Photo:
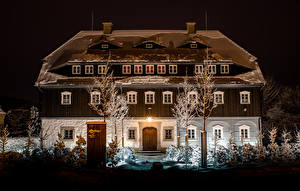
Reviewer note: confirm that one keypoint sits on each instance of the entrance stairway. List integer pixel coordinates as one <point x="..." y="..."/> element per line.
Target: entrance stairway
<point x="150" y="156"/>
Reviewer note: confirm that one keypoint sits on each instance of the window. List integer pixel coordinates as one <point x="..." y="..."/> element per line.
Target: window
<point x="219" y="97"/>
<point x="172" y="69"/>
<point x="198" y="69"/>
<point x="167" y="97"/>
<point x="168" y="133"/>
<point x="126" y="69"/>
<point x="244" y="132"/>
<point x="191" y="133"/>
<point x="101" y="69"/>
<point x="104" y="46"/>
<point x="193" y="95"/>
<point x="95" y="97"/>
<point x="148" y="45"/>
<point x="193" y="45"/>
<point x="138" y="69"/>
<point x="218" y="132"/>
<point x="131" y="134"/>
<point x="76" y="69"/>
<point x="211" y="69"/>
<point x="161" y="69"/>
<point x="67" y="133"/>
<point x="245" y="97"/>
<point x="132" y="97"/>
<point x="149" y="69"/>
<point x="89" y="69"/>
<point x="149" y="97"/>
<point x="66" y="98"/>
<point x="225" y="69"/>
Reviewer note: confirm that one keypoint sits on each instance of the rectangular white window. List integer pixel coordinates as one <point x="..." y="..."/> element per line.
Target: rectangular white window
<point x="138" y="69"/>
<point x="161" y="69"/>
<point x="149" y="69"/>
<point x="244" y="132"/>
<point x="104" y="46"/>
<point x="193" y="96"/>
<point x="66" y="98"/>
<point x="245" y="97"/>
<point x="148" y="45"/>
<point x="218" y="131"/>
<point x="172" y="69"/>
<point x="224" y="69"/>
<point x="95" y="97"/>
<point x="149" y="97"/>
<point x="219" y="97"/>
<point x="126" y="69"/>
<point x="76" y="69"/>
<point x="193" y="45"/>
<point x="167" y="97"/>
<point x="191" y="134"/>
<point x="168" y="133"/>
<point x="101" y="69"/>
<point x="212" y="69"/>
<point x="198" y="69"/>
<point x="132" y="97"/>
<point x="89" y="69"/>
<point x="131" y="134"/>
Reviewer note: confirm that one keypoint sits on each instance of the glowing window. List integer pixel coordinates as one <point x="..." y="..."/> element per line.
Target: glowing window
<point x="161" y="69"/>
<point x="138" y="69"/>
<point x="172" y="69"/>
<point x="126" y="69"/>
<point x="149" y="69"/>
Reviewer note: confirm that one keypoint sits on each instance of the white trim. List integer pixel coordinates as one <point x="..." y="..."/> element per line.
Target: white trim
<point x="67" y="128"/>
<point x="104" y="46"/>
<point x="174" y="67"/>
<point x="77" y="68"/>
<point x="219" y="128"/>
<point x="101" y="69"/>
<point x="138" y="66"/>
<point x="167" y="93"/>
<point x="193" y="45"/>
<point x="163" y="66"/>
<point x="95" y="93"/>
<point x="244" y="127"/>
<point x="192" y="128"/>
<point x="149" y="93"/>
<point x="149" y="72"/>
<point x="243" y="100"/>
<point x="66" y="101"/>
<point x="212" y="67"/>
<point x="89" y="69"/>
<point x="149" y="45"/>
<point x="128" y="69"/>
<point x="224" y="66"/>
<point x="134" y="98"/>
<point x="198" y="68"/>
<point x="222" y="97"/>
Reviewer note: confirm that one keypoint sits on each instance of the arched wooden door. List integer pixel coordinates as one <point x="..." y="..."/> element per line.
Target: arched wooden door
<point x="149" y="139"/>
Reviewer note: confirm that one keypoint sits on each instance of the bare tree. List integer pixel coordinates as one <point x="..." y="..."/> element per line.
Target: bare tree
<point x="205" y="104"/>
<point x="31" y="128"/>
<point x="3" y="138"/>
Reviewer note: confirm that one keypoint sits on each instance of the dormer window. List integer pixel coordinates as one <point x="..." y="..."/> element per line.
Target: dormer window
<point x="138" y="69"/>
<point x="76" y="69"/>
<point x="224" y="69"/>
<point x="149" y="69"/>
<point x="126" y="69"/>
<point x="161" y="69"/>
<point x="104" y="46"/>
<point x="101" y="69"/>
<point x="172" y="69"/>
<point x="89" y="69"/>
<point x="212" y="69"/>
<point x="149" y="45"/>
<point x="193" y="45"/>
<point x="198" y="69"/>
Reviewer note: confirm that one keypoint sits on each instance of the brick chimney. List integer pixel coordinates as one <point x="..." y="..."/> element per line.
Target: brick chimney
<point x="107" y="27"/>
<point x="190" y="27"/>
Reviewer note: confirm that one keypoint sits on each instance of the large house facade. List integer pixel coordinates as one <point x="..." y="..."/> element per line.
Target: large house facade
<point x="149" y="67"/>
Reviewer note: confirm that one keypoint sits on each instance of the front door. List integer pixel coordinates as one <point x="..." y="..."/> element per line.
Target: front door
<point x="149" y="139"/>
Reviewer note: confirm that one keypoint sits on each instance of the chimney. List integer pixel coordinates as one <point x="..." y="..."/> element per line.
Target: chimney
<point x="190" y="27"/>
<point x="107" y="27"/>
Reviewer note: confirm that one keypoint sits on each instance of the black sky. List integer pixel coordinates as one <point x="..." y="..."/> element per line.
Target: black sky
<point x="33" y="29"/>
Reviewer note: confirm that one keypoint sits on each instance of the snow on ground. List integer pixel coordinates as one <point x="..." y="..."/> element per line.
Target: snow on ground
<point x="17" y="144"/>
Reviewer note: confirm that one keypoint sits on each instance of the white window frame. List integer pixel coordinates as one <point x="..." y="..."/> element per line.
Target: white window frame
<point x="191" y="129"/>
<point x="212" y="69"/>
<point x="165" y="133"/>
<point x="161" y="66"/>
<point x="198" y="68"/>
<point x="242" y="100"/>
<point x="95" y="93"/>
<point x="89" y="69"/>
<point x="128" y="69"/>
<point x="69" y="100"/>
<point x="219" y="129"/>
<point x="104" y="46"/>
<point x="138" y="71"/>
<point x="64" y="129"/>
<point x="101" y="69"/>
<point x="223" y="69"/>
<point x="171" y="97"/>
<point x="149" y="45"/>
<point x="149" y="72"/>
<point x="242" y="129"/>
<point x="217" y="93"/>
<point x="174" y="67"/>
<point x="76" y="69"/>
<point x="133" y="98"/>
<point x="193" y="45"/>
<point x="149" y="93"/>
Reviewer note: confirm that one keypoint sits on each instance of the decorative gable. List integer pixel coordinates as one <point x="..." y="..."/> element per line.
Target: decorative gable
<point x="103" y="46"/>
<point x="149" y="45"/>
<point x="193" y="45"/>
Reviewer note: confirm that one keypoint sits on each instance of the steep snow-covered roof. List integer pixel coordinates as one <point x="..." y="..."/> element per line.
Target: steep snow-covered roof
<point x="75" y="49"/>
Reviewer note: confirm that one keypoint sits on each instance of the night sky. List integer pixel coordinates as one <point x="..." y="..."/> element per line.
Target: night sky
<point x="33" y="29"/>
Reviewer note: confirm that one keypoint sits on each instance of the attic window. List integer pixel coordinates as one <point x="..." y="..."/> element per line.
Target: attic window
<point x="104" y="46"/>
<point x="224" y="69"/>
<point x="193" y="45"/>
<point x="148" y="45"/>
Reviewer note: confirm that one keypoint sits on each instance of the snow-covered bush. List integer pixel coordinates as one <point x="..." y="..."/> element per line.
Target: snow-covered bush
<point x="191" y="156"/>
<point x="248" y="153"/>
<point x="111" y="153"/>
<point x="287" y="150"/>
<point x="126" y="154"/>
<point x="297" y="145"/>
<point x="273" y="147"/>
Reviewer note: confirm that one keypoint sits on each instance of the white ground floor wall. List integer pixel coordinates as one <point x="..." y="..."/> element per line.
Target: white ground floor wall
<point x="226" y="126"/>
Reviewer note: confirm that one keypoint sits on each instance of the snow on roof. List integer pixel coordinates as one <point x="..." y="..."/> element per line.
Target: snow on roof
<point x="75" y="49"/>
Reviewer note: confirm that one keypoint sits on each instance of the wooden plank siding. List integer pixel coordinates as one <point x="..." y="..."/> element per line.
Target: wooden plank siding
<point x="51" y="103"/>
